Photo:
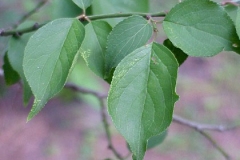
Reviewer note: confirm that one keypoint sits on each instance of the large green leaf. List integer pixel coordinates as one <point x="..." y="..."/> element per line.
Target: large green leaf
<point x="125" y="37"/>
<point x="94" y="46"/>
<point x="119" y="6"/>
<point x="142" y="95"/>
<point x="200" y="28"/>
<point x="49" y="57"/>
<point x="16" y="48"/>
<point x="10" y="75"/>
<point x="84" y="4"/>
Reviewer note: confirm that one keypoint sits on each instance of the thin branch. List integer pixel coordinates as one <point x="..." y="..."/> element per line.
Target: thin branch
<point x="85" y="91"/>
<point x="121" y="15"/>
<point x="18" y="32"/>
<point x="30" y="13"/>
<point x="215" y="144"/>
<point x="101" y="97"/>
<point x="199" y="126"/>
<point x="107" y="130"/>
<point x="201" y="129"/>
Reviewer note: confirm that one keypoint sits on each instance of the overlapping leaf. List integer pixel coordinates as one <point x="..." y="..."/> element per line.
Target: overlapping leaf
<point x="84" y="4"/>
<point x="156" y="140"/>
<point x="65" y="9"/>
<point x="94" y="46"/>
<point x="238" y="22"/>
<point x="200" y="28"/>
<point x="231" y="11"/>
<point x="179" y="54"/>
<point x="48" y="58"/>
<point x="16" y="48"/>
<point x="125" y="37"/>
<point x="142" y="95"/>
<point x="10" y="75"/>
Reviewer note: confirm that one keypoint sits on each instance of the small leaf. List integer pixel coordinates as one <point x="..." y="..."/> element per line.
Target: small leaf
<point x="94" y="46"/>
<point x="16" y="48"/>
<point x="200" y="28"/>
<point x="125" y="37"/>
<point x="49" y="57"/>
<point x="231" y="11"/>
<point x="65" y="9"/>
<point x="84" y="4"/>
<point x="178" y="53"/>
<point x="142" y="95"/>
<point x="10" y="75"/>
<point x="156" y="140"/>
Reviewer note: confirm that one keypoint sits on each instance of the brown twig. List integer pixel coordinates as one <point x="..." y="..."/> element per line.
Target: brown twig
<point x="18" y="32"/>
<point x="101" y="97"/>
<point x="201" y="128"/>
<point x="215" y="144"/>
<point x="4" y="32"/>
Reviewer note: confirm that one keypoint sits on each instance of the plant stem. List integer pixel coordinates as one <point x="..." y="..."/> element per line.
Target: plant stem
<point x="107" y="130"/>
<point x="121" y="15"/>
<point x="201" y="129"/>
<point x="101" y="97"/>
<point x="214" y="143"/>
<point x="19" y="32"/>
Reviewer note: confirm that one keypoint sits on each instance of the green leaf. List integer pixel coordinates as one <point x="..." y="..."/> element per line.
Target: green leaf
<point x="238" y="22"/>
<point x="94" y="46"/>
<point x="178" y="53"/>
<point x="84" y="4"/>
<point x="119" y="6"/>
<point x="231" y="11"/>
<point x="16" y="48"/>
<point x="156" y="140"/>
<point x="200" y="28"/>
<point x="65" y="8"/>
<point x="49" y="57"/>
<point x="125" y="37"/>
<point x="10" y="75"/>
<point x="142" y="95"/>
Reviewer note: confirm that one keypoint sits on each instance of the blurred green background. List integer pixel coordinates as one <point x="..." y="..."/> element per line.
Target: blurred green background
<point x="70" y="127"/>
